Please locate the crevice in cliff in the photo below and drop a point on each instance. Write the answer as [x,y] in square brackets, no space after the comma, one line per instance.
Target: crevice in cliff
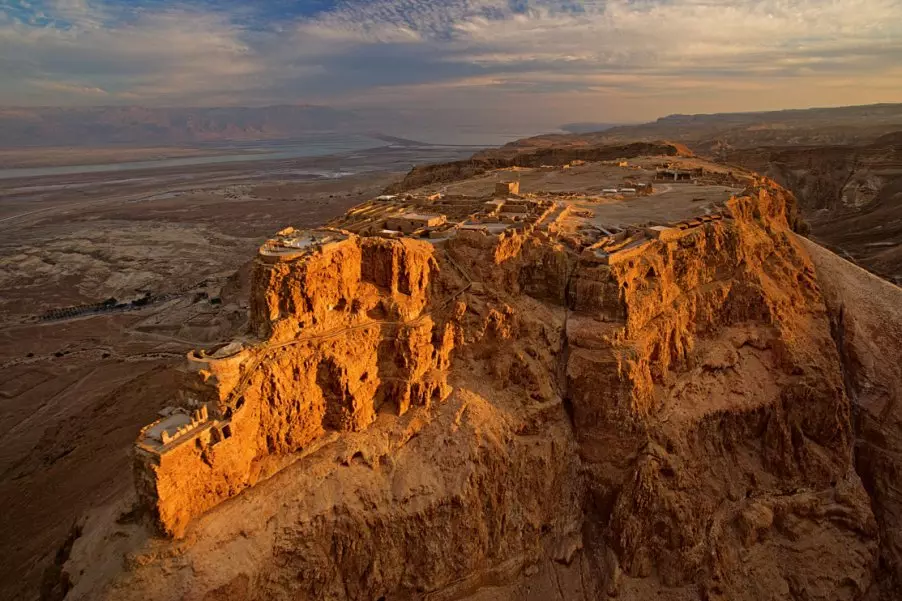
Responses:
[56,583]
[838,201]
[863,448]
[859,414]
[564,355]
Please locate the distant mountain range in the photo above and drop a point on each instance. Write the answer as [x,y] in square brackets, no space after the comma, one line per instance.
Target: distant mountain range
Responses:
[716,133]
[583,128]
[94,126]
[143,126]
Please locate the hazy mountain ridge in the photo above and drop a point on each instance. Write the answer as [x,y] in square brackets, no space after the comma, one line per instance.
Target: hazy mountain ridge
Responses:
[712,133]
[586,127]
[56,126]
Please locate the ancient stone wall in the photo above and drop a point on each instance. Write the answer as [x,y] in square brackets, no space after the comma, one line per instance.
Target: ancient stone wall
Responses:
[344,332]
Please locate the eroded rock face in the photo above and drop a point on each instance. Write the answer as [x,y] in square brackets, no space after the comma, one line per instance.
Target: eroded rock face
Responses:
[667,421]
[342,334]
[850,196]
[719,435]
[868,334]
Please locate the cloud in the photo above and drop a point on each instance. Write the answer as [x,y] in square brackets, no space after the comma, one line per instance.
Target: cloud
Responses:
[68,88]
[627,58]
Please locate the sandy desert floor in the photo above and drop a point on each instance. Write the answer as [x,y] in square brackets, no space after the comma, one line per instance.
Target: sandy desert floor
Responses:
[74,392]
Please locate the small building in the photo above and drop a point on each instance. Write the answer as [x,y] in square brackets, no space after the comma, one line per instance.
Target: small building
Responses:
[507,188]
[518,206]
[644,189]
[663,233]
[609,192]
[493,207]
[628,191]
[408,223]
[676,175]
[176,422]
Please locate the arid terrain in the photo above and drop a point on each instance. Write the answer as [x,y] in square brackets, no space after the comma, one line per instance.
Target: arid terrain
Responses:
[556,379]
[844,166]
[852,195]
[81,377]
[626,373]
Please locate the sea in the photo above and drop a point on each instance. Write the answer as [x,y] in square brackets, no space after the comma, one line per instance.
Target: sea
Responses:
[314,145]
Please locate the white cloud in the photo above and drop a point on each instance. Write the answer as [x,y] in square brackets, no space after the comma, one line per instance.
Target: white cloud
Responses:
[488,52]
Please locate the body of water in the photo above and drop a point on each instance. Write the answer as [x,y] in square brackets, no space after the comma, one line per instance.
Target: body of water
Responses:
[314,146]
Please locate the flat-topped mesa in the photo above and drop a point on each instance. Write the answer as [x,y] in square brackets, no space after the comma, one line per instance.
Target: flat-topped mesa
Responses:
[651,380]
[346,327]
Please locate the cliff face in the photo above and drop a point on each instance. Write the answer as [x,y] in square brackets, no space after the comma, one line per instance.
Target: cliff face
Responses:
[340,335]
[711,415]
[669,420]
[850,195]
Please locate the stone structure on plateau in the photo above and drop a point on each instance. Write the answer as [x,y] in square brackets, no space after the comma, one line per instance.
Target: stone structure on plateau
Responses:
[546,394]
[350,317]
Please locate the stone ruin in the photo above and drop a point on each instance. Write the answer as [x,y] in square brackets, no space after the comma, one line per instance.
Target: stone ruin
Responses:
[507,188]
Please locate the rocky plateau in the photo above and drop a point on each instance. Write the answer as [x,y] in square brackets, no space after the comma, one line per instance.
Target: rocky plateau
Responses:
[547,395]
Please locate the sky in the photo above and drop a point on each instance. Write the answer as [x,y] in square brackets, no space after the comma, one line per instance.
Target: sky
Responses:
[508,62]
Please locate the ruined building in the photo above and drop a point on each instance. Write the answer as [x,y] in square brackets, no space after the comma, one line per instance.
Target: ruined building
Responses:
[350,317]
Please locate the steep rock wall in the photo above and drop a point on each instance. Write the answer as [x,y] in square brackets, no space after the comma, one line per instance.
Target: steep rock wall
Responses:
[669,423]
[705,402]
[344,333]
[868,335]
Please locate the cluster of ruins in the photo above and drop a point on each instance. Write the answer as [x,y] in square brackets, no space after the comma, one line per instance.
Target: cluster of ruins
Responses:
[291,243]
[206,448]
[442,216]
[615,247]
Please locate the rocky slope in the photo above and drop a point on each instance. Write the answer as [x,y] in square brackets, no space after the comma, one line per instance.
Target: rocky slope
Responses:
[688,417]
[850,195]
[864,312]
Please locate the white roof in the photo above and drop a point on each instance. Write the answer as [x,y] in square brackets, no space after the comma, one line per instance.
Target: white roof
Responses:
[170,425]
[420,216]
